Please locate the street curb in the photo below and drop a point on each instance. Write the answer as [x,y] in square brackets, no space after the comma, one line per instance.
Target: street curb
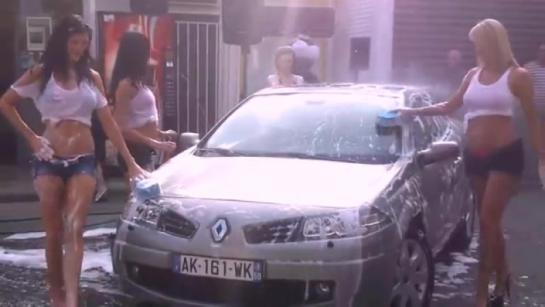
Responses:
[18,198]
[32,196]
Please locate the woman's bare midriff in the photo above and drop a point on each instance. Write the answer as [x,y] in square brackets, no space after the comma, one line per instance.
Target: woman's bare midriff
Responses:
[69,138]
[487,134]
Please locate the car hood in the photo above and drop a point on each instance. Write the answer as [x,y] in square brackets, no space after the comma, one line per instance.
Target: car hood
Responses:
[296,182]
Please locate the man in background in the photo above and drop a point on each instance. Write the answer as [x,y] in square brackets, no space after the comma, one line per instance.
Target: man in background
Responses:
[537,69]
[449,77]
[454,71]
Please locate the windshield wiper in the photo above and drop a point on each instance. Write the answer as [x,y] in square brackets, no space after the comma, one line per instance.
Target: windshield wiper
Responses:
[224,152]
[323,157]
[300,155]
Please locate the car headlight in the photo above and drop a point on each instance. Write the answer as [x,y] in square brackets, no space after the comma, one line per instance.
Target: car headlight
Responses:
[148,213]
[129,210]
[373,220]
[145,213]
[144,204]
[324,227]
[343,224]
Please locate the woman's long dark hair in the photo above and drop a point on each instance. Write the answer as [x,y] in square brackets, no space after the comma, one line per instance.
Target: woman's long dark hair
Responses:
[55,57]
[132,61]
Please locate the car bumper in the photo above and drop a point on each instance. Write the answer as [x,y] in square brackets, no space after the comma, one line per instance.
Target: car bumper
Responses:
[147,274]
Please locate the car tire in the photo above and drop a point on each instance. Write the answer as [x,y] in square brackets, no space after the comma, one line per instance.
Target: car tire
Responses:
[414,282]
[463,234]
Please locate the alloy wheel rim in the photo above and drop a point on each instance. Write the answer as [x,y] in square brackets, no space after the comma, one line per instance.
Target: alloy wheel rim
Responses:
[470,219]
[412,276]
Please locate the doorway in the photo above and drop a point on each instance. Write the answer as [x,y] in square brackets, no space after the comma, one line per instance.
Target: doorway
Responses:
[197,61]
[8,22]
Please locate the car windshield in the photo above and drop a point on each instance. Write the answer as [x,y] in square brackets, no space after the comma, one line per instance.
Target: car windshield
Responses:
[336,127]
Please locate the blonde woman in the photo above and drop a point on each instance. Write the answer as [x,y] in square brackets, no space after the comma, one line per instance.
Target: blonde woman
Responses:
[284,60]
[493,152]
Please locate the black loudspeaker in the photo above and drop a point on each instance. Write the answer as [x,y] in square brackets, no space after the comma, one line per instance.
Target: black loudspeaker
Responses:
[62,7]
[242,22]
[312,21]
[149,7]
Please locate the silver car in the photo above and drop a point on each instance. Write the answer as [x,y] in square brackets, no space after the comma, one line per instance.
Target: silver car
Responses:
[301,197]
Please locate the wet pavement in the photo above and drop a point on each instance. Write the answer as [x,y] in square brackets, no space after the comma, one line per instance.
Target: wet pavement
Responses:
[22,265]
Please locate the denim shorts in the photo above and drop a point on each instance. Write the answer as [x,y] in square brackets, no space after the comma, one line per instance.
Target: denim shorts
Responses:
[65,168]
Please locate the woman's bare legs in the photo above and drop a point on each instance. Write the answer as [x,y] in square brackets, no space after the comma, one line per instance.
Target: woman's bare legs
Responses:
[500,187]
[79,195]
[478,185]
[50,190]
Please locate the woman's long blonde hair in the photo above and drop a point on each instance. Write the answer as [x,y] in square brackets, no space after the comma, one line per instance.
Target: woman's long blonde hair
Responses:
[492,34]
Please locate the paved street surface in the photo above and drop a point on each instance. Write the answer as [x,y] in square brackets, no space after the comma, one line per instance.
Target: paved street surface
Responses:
[22,263]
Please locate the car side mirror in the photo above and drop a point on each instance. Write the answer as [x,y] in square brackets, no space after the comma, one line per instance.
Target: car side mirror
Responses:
[187,140]
[438,152]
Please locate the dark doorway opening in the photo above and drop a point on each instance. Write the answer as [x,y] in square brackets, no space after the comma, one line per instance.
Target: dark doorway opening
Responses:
[8,22]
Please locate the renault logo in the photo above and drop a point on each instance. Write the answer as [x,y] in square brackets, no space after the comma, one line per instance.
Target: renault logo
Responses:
[220,230]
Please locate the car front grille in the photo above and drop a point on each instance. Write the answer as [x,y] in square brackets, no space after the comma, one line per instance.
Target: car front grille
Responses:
[175,224]
[271,293]
[283,231]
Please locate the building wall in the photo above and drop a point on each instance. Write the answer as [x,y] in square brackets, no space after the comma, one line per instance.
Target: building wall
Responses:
[339,53]
[363,18]
[28,111]
[425,31]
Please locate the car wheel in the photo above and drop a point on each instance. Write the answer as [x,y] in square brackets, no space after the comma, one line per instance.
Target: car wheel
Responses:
[414,282]
[463,234]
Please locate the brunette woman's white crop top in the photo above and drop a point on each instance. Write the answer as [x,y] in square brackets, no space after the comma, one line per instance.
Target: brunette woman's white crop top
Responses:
[143,109]
[56,103]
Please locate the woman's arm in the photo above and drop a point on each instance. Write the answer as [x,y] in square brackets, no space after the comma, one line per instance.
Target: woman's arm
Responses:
[447,107]
[12,97]
[522,86]
[113,133]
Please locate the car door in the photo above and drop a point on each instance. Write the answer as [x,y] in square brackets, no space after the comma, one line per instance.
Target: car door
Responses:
[436,184]
[458,184]
[451,171]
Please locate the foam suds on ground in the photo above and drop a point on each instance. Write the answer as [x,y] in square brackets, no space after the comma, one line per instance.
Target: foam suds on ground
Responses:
[35,258]
[455,273]
[97,258]
[37,235]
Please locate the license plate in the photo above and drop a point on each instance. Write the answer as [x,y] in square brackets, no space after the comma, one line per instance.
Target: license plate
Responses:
[220,268]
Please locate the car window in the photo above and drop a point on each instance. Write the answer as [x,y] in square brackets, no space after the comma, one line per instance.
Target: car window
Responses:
[328,126]
[421,132]
[424,129]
